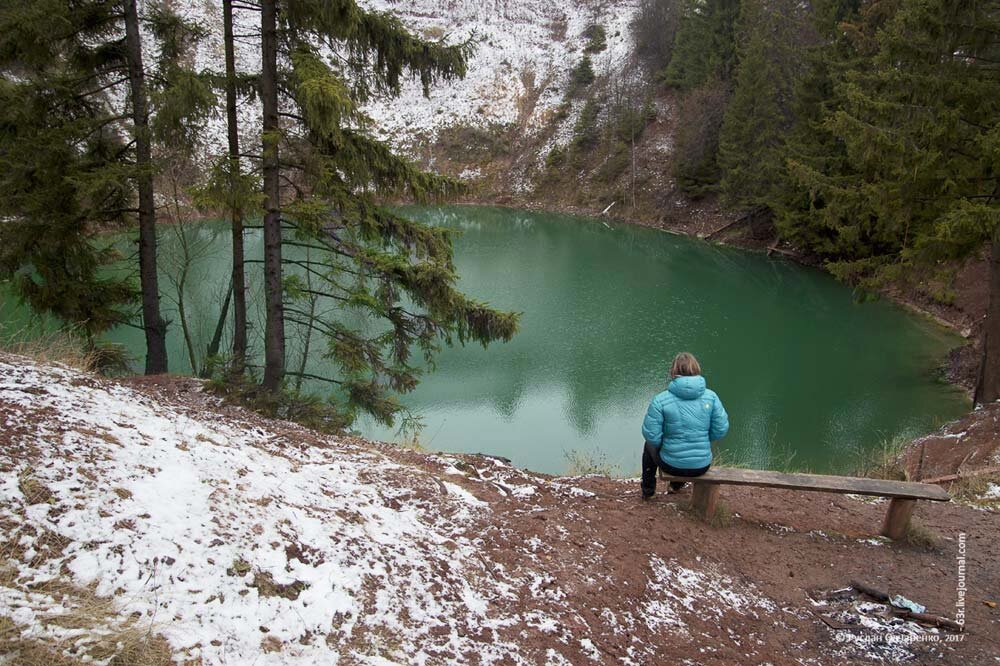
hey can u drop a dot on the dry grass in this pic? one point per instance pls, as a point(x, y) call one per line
point(34, 491)
point(885, 461)
point(75, 625)
point(267, 587)
point(588, 463)
point(921, 537)
point(723, 515)
point(46, 346)
point(971, 489)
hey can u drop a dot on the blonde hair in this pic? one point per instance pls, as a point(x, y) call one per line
point(684, 365)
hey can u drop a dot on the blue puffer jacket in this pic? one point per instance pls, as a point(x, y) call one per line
point(684, 420)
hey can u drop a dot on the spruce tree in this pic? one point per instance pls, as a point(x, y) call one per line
point(758, 115)
point(154, 327)
point(704, 47)
point(234, 174)
point(386, 283)
point(908, 180)
point(814, 157)
point(62, 176)
point(81, 160)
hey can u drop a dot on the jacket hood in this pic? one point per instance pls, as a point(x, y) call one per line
point(687, 388)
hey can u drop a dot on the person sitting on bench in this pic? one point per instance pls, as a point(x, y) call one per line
point(680, 426)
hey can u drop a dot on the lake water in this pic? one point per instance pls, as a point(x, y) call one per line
point(810, 378)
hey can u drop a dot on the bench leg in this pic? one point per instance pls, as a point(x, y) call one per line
point(704, 498)
point(897, 519)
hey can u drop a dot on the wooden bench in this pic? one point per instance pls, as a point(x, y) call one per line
point(904, 494)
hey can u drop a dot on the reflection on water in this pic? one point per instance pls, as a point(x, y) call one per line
point(809, 377)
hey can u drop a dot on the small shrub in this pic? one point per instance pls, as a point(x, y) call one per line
point(699, 121)
point(597, 38)
point(919, 536)
point(308, 410)
point(616, 164)
point(581, 76)
point(562, 111)
point(556, 157)
point(587, 131)
point(654, 27)
point(466, 143)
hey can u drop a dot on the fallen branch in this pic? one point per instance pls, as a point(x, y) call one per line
point(995, 469)
point(709, 235)
point(926, 618)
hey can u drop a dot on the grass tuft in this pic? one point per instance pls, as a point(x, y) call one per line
point(591, 463)
point(885, 461)
point(34, 491)
point(919, 536)
point(723, 515)
point(65, 347)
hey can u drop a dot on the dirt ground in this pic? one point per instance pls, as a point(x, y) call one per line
point(764, 578)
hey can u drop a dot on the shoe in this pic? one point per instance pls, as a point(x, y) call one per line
point(646, 496)
point(676, 486)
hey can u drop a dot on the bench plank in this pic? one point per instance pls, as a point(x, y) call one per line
point(818, 482)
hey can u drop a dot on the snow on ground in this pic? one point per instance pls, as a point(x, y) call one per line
point(226, 537)
point(244, 540)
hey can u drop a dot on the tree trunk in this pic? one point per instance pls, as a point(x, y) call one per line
point(239, 280)
point(152, 323)
point(274, 331)
point(988, 388)
point(220, 327)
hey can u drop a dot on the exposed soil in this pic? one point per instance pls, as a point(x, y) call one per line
point(599, 547)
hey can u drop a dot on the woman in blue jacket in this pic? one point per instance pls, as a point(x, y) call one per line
point(680, 426)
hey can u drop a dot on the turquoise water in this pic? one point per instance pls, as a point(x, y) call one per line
point(810, 378)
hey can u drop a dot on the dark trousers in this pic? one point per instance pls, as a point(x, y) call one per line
point(651, 460)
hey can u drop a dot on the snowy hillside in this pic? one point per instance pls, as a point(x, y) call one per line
point(518, 74)
point(525, 49)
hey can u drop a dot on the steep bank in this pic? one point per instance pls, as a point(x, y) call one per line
point(244, 539)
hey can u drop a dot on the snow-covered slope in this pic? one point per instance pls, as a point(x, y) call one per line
point(244, 540)
point(518, 73)
point(525, 50)
point(227, 536)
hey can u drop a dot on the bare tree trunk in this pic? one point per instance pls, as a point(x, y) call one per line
point(274, 330)
point(220, 327)
point(988, 388)
point(312, 316)
point(239, 280)
point(153, 324)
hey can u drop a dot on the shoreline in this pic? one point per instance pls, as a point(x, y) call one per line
point(951, 364)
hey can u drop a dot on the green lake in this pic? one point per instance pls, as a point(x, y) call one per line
point(810, 378)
